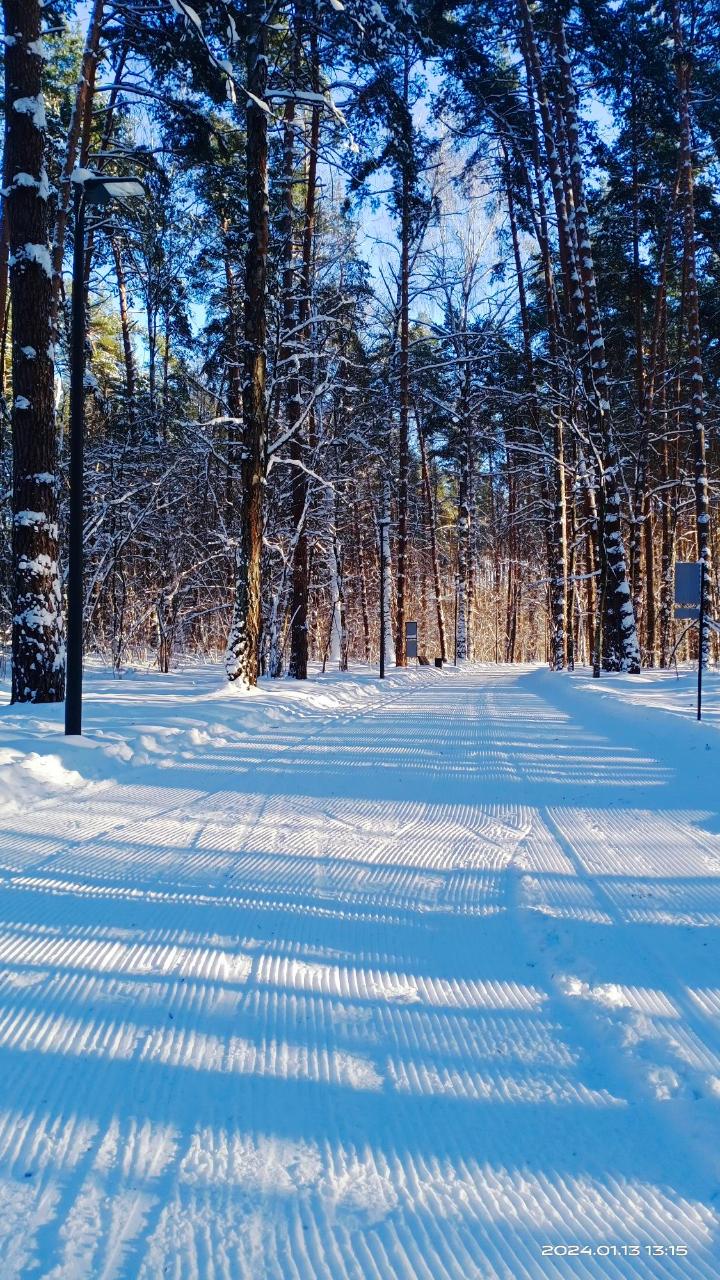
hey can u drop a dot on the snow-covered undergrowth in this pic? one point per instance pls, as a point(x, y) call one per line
point(342, 981)
point(146, 718)
point(27, 777)
point(668, 691)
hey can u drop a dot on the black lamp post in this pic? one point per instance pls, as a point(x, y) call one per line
point(89, 190)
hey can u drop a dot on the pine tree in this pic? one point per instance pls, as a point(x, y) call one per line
point(243, 648)
point(38, 669)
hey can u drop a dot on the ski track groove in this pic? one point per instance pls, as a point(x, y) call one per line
point(333, 1018)
point(687, 1044)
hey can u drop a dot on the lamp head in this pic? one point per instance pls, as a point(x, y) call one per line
point(100, 190)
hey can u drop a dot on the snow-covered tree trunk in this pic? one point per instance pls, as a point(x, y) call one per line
point(362, 577)
point(555, 486)
point(38, 655)
point(463, 536)
point(387, 582)
point(668, 523)
point(275, 627)
point(234, 379)
point(288, 355)
point(587, 496)
point(432, 534)
point(558, 590)
point(570, 585)
point(335, 648)
point(298, 445)
point(569, 269)
point(557, 538)
point(511, 593)
point(404, 397)
point(692, 305)
point(123, 305)
point(241, 660)
point(4, 279)
point(621, 649)
point(654, 395)
point(470, 553)
point(641, 504)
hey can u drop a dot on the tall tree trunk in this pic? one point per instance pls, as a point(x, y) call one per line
point(362, 576)
point(692, 305)
point(128, 354)
point(404, 394)
point(593, 555)
point(640, 504)
point(288, 355)
point(300, 487)
point(338, 629)
point(463, 537)
point(432, 534)
point(512, 568)
point(667, 553)
point(569, 269)
point(621, 650)
point(387, 581)
point(79, 125)
point(243, 647)
point(654, 392)
point(570, 584)
point(109, 112)
point(557, 544)
point(4, 272)
point(38, 656)
point(234, 368)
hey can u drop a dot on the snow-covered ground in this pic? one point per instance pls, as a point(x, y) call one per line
point(347, 982)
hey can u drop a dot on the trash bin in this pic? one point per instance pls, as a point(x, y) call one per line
point(438, 662)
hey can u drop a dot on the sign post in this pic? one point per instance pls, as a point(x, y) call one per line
point(411, 639)
point(690, 603)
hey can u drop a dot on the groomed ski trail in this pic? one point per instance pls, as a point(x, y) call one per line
point(408, 989)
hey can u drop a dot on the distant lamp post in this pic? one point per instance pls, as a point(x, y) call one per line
point(90, 190)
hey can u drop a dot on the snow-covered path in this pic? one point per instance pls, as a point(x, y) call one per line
point(411, 987)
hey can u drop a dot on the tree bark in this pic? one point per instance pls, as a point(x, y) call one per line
point(234, 368)
point(4, 273)
point(463, 537)
point(243, 648)
point(387, 582)
point(128, 354)
point(621, 648)
point(362, 577)
point(404, 397)
point(300, 492)
point(692, 305)
point(79, 122)
point(38, 655)
point(432, 533)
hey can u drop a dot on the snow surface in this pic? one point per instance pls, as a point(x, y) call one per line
point(338, 981)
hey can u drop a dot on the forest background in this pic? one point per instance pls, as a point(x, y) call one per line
point(438, 280)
